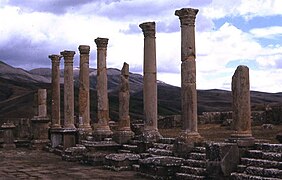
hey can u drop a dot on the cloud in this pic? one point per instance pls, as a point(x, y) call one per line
point(267, 32)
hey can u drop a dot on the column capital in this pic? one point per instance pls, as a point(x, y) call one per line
point(148, 28)
point(187, 16)
point(84, 49)
point(101, 42)
point(68, 56)
point(55, 57)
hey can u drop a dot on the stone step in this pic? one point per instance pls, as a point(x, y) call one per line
point(124, 151)
point(199, 149)
point(121, 161)
point(241, 168)
point(197, 156)
point(193, 170)
point(195, 163)
point(243, 176)
point(269, 147)
point(261, 163)
point(258, 171)
point(130, 147)
point(166, 140)
point(160, 152)
point(258, 154)
point(183, 176)
point(163, 146)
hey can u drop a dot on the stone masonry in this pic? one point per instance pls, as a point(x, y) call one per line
point(102, 129)
point(124, 133)
point(55, 115)
point(150, 83)
point(84, 104)
point(187, 18)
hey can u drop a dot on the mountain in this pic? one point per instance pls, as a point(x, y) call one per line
point(17, 89)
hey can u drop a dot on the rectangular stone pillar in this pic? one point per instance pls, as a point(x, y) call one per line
point(241, 108)
point(150, 98)
point(102, 129)
point(8, 135)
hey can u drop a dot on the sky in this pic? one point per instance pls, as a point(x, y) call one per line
point(228, 34)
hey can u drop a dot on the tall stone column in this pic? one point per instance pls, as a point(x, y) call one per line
point(84, 105)
point(150, 83)
point(68, 90)
point(187, 18)
point(102, 129)
point(241, 107)
point(55, 115)
point(42, 100)
point(124, 133)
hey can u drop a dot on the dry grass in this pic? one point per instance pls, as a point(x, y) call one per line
point(215, 132)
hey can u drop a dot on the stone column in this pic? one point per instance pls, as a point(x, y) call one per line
point(68, 90)
point(102, 129)
point(55, 117)
point(241, 107)
point(187, 18)
point(84, 105)
point(42, 100)
point(150, 83)
point(124, 133)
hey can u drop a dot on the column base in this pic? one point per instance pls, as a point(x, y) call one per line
point(150, 135)
point(64, 136)
point(39, 144)
point(99, 134)
point(122, 137)
point(242, 140)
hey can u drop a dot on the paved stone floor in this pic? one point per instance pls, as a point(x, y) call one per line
point(31, 164)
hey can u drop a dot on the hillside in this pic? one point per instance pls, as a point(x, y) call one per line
point(18, 87)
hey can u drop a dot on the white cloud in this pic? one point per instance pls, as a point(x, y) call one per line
point(267, 32)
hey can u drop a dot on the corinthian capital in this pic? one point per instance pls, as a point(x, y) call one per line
point(101, 42)
point(148, 28)
point(187, 16)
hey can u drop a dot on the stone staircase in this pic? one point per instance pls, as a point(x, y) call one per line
point(194, 167)
point(264, 161)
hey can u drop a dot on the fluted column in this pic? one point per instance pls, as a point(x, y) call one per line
point(150, 82)
point(68, 89)
point(55, 116)
point(102, 129)
point(241, 107)
point(187, 18)
point(84, 105)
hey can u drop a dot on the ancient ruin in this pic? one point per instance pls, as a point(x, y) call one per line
point(102, 129)
point(124, 133)
point(150, 83)
point(84, 98)
point(124, 146)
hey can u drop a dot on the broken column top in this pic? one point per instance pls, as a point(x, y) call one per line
point(148, 28)
point(101, 42)
point(187, 16)
point(125, 69)
point(84, 49)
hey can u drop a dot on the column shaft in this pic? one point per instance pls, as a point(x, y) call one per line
point(55, 120)
point(84, 104)
point(68, 90)
point(42, 100)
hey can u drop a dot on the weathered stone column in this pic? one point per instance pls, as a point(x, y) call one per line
point(84, 105)
point(187, 18)
point(102, 129)
point(124, 133)
point(150, 83)
point(42, 100)
point(55, 115)
point(68, 90)
point(241, 107)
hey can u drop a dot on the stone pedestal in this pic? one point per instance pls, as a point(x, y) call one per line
point(40, 128)
point(65, 137)
point(189, 133)
point(102, 129)
point(55, 114)
point(241, 108)
point(150, 100)
point(124, 133)
point(84, 105)
point(68, 90)
point(8, 135)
